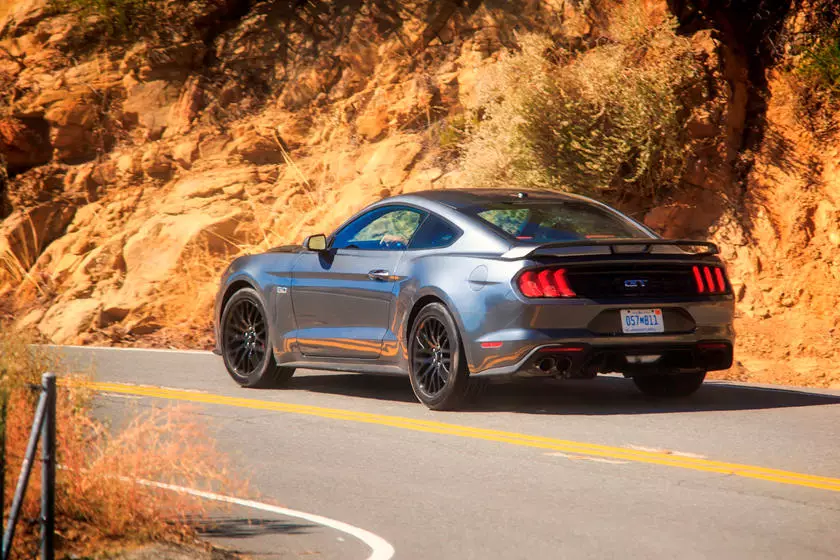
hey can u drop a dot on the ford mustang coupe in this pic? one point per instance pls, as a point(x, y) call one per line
point(452, 286)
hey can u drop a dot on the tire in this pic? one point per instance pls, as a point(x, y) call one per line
point(437, 364)
point(665, 386)
point(246, 346)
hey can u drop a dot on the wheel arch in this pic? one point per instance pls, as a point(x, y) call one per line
point(418, 305)
point(424, 299)
point(234, 287)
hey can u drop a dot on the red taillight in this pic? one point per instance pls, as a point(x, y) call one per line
point(495, 344)
point(709, 283)
point(545, 283)
point(528, 284)
point(721, 285)
point(709, 279)
point(699, 279)
point(562, 284)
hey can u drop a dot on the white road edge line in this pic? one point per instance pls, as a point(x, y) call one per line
point(380, 548)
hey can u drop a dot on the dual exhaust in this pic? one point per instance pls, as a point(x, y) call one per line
point(558, 366)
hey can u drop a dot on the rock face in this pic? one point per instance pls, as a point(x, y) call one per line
point(139, 169)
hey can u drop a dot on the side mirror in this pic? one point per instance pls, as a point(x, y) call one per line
point(315, 242)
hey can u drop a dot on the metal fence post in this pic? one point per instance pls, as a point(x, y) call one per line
point(23, 480)
point(4, 402)
point(48, 471)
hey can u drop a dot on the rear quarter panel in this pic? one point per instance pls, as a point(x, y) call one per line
point(472, 286)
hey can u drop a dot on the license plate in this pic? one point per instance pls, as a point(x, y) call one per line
point(635, 321)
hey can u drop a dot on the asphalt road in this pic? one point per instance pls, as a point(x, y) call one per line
point(562, 470)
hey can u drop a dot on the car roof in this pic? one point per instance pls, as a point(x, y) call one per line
point(463, 198)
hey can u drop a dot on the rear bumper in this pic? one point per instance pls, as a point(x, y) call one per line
point(708, 349)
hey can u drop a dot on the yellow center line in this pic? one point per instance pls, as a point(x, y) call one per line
point(512, 438)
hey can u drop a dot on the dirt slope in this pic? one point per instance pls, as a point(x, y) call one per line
point(141, 160)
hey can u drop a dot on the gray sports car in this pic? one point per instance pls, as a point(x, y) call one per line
point(453, 286)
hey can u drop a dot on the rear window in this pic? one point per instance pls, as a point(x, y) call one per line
point(546, 222)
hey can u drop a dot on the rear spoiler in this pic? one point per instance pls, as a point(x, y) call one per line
point(611, 247)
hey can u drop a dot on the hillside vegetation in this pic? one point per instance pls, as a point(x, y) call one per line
point(147, 142)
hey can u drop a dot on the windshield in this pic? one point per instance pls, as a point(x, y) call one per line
point(546, 222)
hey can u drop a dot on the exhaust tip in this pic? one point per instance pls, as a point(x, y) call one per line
point(546, 364)
point(563, 365)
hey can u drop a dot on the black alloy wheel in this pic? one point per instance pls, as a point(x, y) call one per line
point(437, 366)
point(432, 356)
point(246, 346)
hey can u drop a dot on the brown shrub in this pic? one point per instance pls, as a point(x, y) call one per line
point(98, 500)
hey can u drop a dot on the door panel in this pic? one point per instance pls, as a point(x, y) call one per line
point(341, 309)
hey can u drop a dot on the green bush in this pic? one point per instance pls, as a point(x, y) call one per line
point(820, 63)
point(453, 133)
point(608, 121)
point(117, 17)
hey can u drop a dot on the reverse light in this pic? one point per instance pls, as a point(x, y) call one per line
point(545, 283)
point(709, 279)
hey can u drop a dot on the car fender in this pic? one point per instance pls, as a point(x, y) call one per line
point(452, 306)
point(244, 272)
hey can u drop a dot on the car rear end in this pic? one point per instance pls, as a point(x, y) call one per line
point(623, 301)
point(626, 313)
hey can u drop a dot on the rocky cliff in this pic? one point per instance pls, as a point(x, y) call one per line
point(144, 143)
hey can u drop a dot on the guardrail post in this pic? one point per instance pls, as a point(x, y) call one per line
point(48, 470)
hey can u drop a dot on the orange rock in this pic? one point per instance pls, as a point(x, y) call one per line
point(183, 112)
point(73, 120)
point(65, 321)
point(23, 14)
point(149, 104)
point(258, 149)
point(24, 142)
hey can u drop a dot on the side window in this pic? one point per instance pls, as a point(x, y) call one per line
point(434, 232)
point(386, 228)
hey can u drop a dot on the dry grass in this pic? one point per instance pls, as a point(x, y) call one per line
point(17, 260)
point(608, 121)
point(185, 306)
point(97, 502)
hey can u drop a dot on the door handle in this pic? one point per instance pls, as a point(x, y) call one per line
point(379, 274)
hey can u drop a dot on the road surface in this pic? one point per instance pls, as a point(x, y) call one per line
point(560, 470)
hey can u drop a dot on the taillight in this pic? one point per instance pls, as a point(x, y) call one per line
point(545, 283)
point(709, 279)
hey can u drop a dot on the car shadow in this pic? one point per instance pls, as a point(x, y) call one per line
point(605, 395)
point(231, 527)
